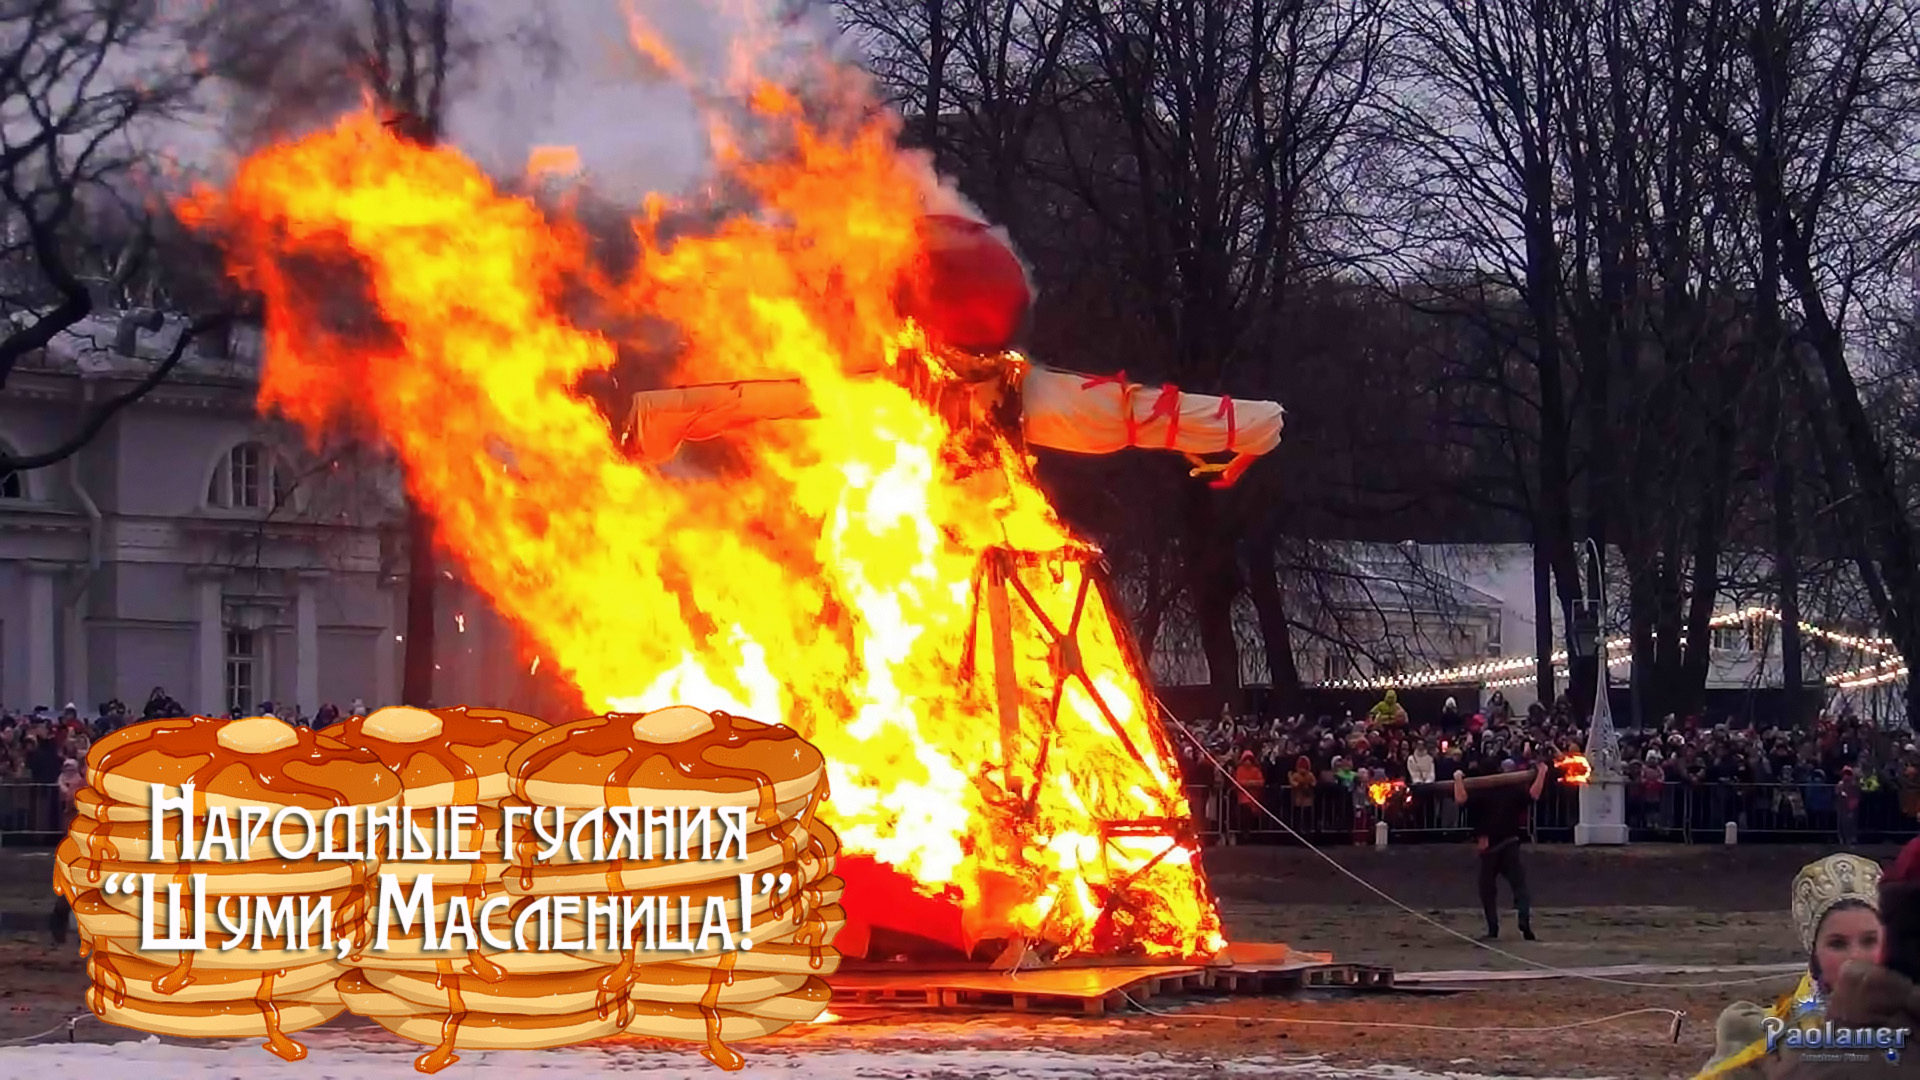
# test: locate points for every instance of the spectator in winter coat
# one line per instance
(1420, 766)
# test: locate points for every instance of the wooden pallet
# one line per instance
(1091, 991)
(1292, 978)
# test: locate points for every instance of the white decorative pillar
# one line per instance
(210, 637)
(306, 646)
(42, 633)
(1603, 798)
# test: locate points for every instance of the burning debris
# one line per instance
(880, 572)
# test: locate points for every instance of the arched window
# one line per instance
(250, 477)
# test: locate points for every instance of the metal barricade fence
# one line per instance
(1663, 812)
(30, 814)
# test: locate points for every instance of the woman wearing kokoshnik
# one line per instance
(1836, 911)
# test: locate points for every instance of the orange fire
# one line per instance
(1574, 769)
(1382, 790)
(825, 576)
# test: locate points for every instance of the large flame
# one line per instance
(828, 578)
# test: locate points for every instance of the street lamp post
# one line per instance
(1603, 798)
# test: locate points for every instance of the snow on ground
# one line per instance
(340, 1060)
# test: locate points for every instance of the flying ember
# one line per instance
(878, 570)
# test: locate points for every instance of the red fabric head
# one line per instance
(968, 289)
(1906, 868)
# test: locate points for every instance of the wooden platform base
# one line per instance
(1094, 991)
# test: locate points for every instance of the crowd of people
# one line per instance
(1323, 773)
(41, 751)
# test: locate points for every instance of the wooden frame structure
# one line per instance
(1002, 596)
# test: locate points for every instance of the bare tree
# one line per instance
(1827, 144)
(1205, 139)
(86, 87)
(975, 79)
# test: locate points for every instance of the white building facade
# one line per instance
(1466, 615)
(193, 545)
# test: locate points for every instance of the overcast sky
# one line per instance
(634, 131)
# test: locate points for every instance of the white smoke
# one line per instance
(634, 132)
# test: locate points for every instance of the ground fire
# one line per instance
(883, 575)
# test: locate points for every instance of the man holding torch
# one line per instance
(1499, 816)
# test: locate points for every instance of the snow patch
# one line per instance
(354, 1058)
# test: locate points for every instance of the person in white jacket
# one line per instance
(1420, 765)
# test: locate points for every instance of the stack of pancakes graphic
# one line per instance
(258, 762)
(443, 758)
(684, 757)
(677, 757)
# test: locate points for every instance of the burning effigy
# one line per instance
(874, 565)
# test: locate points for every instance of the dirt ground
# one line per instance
(1646, 904)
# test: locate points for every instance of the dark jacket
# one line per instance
(1865, 995)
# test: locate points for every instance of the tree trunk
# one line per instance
(1643, 589)
(423, 579)
(1542, 624)
(1213, 570)
(1670, 642)
(1276, 633)
(1882, 507)
(1700, 604)
(1786, 544)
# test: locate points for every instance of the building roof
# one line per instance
(1408, 577)
(87, 348)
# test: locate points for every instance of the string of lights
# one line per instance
(1522, 670)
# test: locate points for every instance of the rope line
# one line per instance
(1675, 1014)
(1423, 916)
(66, 1025)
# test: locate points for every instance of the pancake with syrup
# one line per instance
(408, 952)
(768, 850)
(450, 1032)
(131, 840)
(272, 876)
(240, 1018)
(259, 761)
(689, 985)
(529, 847)
(711, 1022)
(126, 976)
(551, 995)
(102, 914)
(97, 807)
(273, 955)
(481, 871)
(443, 757)
(810, 882)
(451, 1023)
(672, 757)
(805, 948)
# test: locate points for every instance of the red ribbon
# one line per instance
(1168, 405)
(1226, 410)
(1126, 400)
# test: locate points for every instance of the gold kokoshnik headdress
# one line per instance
(1833, 880)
